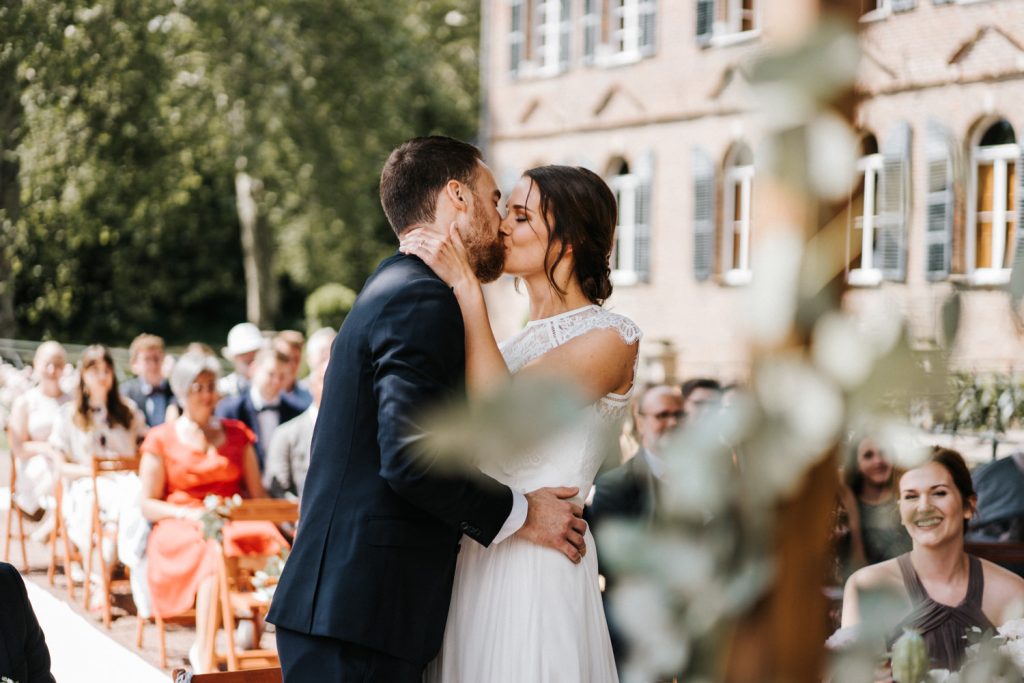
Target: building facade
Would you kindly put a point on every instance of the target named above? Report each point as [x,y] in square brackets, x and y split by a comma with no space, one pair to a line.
[652,95]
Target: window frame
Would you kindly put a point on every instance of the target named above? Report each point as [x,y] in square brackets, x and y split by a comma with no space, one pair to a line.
[616,46]
[624,187]
[735,273]
[870,275]
[728,29]
[998,156]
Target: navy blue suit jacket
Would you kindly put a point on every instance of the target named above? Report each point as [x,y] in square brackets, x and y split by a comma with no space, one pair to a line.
[374,558]
[240,407]
[132,388]
[24,656]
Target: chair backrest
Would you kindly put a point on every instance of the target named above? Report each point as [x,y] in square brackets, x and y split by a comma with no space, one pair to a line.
[266,510]
[251,676]
[115,463]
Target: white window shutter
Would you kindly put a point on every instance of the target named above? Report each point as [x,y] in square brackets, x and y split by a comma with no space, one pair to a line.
[903,5]
[939,216]
[591,29]
[705,21]
[648,23]
[517,35]
[642,217]
[564,34]
[1017,273]
[703,170]
[894,203]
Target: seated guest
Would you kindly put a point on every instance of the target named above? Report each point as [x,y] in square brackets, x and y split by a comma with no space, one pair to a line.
[318,350]
[628,490]
[943,590]
[288,457]
[24,656]
[99,421]
[699,395]
[148,389]
[184,461]
[244,340]
[262,407]
[32,418]
[1000,487]
[869,497]
[290,343]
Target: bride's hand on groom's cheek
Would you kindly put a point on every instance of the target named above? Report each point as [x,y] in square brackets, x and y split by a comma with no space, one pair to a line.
[555,520]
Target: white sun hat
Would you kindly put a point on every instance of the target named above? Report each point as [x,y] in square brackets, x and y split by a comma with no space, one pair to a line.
[243,338]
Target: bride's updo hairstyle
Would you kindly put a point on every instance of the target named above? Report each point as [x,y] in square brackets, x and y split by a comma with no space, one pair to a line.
[582,209]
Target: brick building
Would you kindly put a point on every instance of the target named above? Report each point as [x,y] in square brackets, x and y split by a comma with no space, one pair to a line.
[651,94]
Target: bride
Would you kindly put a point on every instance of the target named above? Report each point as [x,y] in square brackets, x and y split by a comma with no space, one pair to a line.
[519,611]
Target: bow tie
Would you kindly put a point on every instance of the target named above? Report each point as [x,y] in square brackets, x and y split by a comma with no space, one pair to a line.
[274,406]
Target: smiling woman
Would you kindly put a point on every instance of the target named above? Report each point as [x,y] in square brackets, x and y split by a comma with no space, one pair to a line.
[944,590]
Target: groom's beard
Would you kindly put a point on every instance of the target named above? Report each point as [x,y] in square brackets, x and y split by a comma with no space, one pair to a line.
[486,253]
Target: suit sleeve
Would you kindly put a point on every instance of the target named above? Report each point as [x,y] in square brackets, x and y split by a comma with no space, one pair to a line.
[417,351]
[615,495]
[37,655]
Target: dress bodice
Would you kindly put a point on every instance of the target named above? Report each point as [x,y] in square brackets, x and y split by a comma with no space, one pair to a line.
[42,412]
[573,456]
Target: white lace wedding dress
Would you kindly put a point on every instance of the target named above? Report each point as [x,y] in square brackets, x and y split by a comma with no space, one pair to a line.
[522,612]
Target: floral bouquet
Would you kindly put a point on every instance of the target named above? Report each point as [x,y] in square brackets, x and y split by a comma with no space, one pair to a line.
[216,511]
[265,580]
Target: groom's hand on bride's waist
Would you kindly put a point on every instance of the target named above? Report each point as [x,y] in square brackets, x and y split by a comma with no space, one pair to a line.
[554,519]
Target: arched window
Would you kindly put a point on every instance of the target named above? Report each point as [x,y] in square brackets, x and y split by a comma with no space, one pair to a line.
[992,210]
[736,206]
[865,218]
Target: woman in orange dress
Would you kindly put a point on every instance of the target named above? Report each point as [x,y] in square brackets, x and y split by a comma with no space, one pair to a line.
[184,461]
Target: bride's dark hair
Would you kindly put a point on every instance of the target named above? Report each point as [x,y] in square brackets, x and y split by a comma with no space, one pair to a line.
[583,213]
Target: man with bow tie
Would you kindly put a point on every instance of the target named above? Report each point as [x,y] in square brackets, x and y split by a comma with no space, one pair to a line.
[148,389]
[263,407]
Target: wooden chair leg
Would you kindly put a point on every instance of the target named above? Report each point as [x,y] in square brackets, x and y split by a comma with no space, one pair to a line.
[66,543]
[87,584]
[161,642]
[227,615]
[7,529]
[21,538]
[140,626]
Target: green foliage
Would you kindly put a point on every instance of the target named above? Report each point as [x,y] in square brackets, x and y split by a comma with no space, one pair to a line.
[328,305]
[984,403]
[136,117]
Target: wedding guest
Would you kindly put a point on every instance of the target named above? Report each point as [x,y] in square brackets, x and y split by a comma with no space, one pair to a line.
[290,343]
[149,389]
[700,394]
[288,457]
[318,350]
[262,407]
[244,340]
[869,497]
[24,656]
[183,462]
[32,418]
[629,490]
[943,590]
[99,421]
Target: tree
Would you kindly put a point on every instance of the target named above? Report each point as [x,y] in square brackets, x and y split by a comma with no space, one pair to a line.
[143,120]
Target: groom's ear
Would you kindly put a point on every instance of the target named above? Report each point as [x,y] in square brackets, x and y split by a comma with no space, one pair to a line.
[456,193]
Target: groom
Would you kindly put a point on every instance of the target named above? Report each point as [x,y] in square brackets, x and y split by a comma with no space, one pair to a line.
[364,595]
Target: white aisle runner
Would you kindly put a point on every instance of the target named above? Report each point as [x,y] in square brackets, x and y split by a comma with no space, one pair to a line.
[80,652]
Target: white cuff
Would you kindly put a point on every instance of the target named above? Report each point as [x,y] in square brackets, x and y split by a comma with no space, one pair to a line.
[516,518]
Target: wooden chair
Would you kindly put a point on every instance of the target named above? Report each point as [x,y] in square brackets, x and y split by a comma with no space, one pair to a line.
[12,512]
[251,676]
[59,536]
[1009,555]
[237,594]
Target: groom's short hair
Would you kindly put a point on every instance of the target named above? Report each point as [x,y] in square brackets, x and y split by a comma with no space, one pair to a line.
[417,170]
